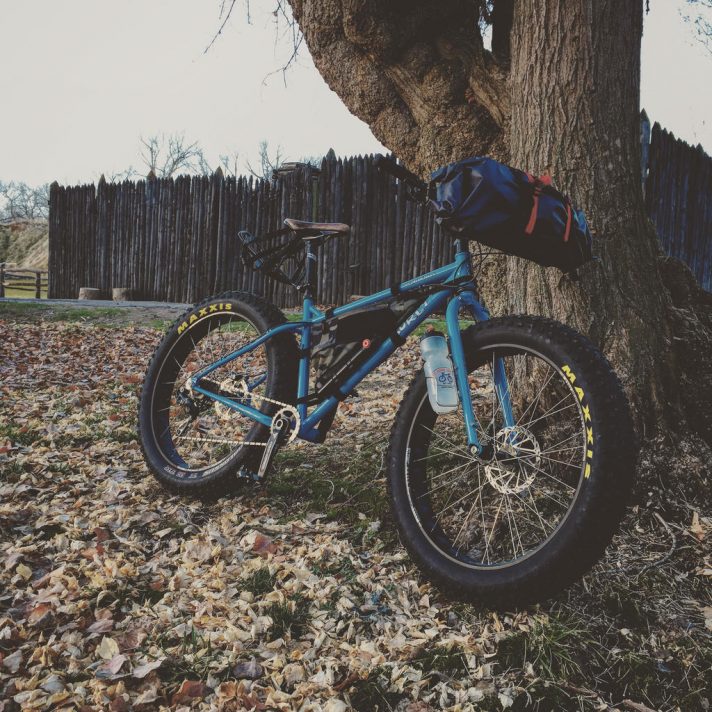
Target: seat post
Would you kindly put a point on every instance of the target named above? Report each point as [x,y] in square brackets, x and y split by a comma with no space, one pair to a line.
[310,267]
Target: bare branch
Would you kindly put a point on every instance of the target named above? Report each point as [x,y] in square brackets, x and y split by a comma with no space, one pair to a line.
[225,17]
[701,20]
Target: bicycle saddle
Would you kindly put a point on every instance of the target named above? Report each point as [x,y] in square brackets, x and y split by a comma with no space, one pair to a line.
[311,229]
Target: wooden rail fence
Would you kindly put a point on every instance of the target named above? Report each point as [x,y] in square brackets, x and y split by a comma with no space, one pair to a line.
[176,240]
[22,279]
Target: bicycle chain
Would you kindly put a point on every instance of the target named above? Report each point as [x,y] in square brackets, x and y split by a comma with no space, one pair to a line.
[284,406]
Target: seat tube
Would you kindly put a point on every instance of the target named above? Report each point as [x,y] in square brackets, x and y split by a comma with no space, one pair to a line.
[305,339]
[457,352]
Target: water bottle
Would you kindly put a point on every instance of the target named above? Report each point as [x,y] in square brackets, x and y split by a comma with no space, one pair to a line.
[439,374]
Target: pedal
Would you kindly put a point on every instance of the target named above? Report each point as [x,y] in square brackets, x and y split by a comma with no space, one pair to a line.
[244,473]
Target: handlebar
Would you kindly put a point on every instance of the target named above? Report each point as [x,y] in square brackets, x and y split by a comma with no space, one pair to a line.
[419,189]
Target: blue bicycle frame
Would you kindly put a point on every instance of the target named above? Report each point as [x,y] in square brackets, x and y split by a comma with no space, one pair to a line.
[452,285]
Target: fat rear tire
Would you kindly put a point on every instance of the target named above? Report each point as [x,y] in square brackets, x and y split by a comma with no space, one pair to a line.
[282,359]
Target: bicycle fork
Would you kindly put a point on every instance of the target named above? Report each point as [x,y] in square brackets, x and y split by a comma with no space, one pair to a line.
[457,352]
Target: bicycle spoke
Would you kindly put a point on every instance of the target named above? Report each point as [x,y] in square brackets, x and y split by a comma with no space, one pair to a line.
[524,491]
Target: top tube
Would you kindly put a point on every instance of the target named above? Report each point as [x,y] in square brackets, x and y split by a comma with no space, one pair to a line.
[458,269]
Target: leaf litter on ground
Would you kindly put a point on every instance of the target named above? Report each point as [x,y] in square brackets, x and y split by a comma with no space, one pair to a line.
[115,594]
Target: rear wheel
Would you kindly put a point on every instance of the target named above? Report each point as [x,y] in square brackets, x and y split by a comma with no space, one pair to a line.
[191,442]
[539,506]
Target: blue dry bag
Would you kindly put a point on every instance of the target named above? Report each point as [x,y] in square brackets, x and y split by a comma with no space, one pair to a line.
[481,199]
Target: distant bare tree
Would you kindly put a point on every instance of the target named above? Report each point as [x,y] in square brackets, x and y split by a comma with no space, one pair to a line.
[229,163]
[119,176]
[21,201]
[164,156]
[267,164]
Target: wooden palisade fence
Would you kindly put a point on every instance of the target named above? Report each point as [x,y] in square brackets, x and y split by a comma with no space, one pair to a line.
[176,239]
[678,198]
[22,279]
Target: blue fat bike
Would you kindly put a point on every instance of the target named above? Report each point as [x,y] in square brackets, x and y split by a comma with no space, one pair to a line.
[505,498]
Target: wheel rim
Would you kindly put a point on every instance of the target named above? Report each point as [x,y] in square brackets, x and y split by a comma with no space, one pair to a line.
[195,433]
[498,512]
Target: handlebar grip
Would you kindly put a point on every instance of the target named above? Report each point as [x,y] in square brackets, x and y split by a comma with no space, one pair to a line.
[383,163]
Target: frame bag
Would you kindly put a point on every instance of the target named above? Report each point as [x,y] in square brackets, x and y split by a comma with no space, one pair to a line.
[340,343]
[481,199]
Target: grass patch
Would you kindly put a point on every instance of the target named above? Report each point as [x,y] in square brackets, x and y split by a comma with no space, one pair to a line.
[371,693]
[448,661]
[289,618]
[34,311]
[259,582]
[345,487]
[18,436]
[544,697]
[11,472]
[19,293]
[123,595]
[557,647]
[101,317]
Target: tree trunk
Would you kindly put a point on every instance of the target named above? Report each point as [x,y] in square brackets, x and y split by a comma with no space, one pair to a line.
[560,94]
[575,87]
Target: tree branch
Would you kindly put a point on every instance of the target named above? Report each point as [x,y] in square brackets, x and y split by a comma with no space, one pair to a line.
[409,69]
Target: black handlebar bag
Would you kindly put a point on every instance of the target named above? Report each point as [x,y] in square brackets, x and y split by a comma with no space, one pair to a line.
[481,199]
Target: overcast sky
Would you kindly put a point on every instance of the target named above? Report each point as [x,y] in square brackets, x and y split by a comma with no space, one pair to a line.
[82,80]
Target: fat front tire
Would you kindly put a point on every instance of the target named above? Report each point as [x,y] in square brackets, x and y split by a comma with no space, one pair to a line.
[189,442]
[537,510]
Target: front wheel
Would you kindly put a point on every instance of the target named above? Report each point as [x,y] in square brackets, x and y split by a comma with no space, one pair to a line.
[538,507]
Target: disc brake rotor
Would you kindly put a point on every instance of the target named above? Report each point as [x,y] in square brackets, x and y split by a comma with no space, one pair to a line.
[517,458]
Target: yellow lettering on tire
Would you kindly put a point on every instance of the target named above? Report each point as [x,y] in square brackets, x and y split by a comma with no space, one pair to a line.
[586,411]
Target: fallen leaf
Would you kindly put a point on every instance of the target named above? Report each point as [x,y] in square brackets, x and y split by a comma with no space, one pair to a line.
[40,613]
[101,533]
[146,697]
[190,690]
[707,613]
[248,671]
[103,625]
[695,528]
[264,546]
[13,662]
[24,571]
[108,648]
[111,667]
[131,639]
[142,670]
[119,704]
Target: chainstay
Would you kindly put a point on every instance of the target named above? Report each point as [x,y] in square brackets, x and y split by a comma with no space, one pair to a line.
[245,442]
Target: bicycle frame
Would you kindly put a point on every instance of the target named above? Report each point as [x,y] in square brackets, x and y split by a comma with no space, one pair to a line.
[454,286]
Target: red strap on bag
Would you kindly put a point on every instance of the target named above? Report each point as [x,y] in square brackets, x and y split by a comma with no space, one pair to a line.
[567,232]
[539,183]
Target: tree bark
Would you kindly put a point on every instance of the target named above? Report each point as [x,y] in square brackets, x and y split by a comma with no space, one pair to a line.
[560,94]
[575,88]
